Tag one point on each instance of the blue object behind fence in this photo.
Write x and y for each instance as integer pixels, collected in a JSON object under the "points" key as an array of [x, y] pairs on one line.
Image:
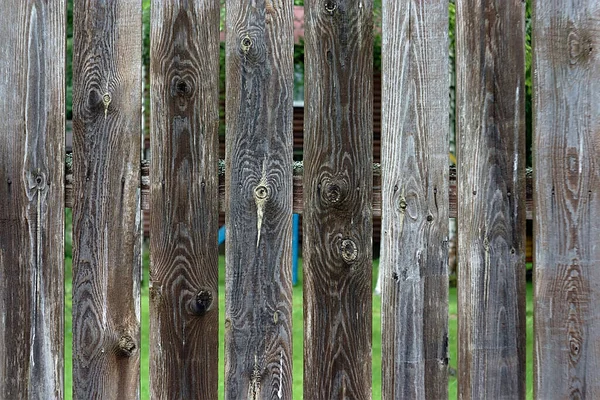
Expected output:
{"points": [[295, 244]]}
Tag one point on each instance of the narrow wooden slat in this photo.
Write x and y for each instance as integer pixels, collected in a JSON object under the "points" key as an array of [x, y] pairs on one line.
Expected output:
{"points": [[567, 199], [32, 151], [337, 204], [258, 203], [414, 321], [490, 66], [106, 177], [184, 196]]}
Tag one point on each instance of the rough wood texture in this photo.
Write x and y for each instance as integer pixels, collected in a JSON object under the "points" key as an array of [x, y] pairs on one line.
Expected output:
{"points": [[490, 79], [567, 199], [106, 218], [184, 195], [258, 357], [338, 187], [414, 255], [298, 195], [32, 150]]}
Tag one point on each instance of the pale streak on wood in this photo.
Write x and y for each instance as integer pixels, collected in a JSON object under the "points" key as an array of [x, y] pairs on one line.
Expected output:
{"points": [[338, 199], [106, 178], [566, 120], [414, 192], [490, 59], [184, 318], [261, 196], [32, 150], [258, 199]]}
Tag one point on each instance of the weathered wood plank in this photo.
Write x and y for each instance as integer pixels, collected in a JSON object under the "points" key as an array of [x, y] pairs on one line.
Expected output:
{"points": [[490, 66], [567, 199], [337, 205], [258, 316], [106, 218], [184, 314], [414, 188], [32, 150]]}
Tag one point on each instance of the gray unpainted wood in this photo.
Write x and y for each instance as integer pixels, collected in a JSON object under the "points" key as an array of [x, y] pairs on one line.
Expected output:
{"points": [[258, 200], [490, 78], [184, 310], [414, 255], [32, 82], [338, 184], [107, 44], [566, 118]]}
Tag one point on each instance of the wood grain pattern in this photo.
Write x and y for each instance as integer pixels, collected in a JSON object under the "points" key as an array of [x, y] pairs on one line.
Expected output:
{"points": [[567, 199], [32, 150], [298, 195], [106, 217], [184, 313], [337, 205], [490, 54], [414, 169], [258, 356]]}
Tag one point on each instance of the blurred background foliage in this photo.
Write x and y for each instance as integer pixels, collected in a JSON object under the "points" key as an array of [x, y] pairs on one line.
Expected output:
{"points": [[299, 61]]}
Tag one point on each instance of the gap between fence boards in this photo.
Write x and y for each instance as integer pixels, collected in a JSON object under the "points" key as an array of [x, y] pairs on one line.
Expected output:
{"points": [[298, 186]]}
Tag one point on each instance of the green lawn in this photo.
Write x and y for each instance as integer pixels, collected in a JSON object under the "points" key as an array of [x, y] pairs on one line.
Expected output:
{"points": [[297, 336]]}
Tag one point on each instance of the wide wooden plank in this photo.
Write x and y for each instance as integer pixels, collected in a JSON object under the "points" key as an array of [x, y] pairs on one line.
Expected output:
{"points": [[32, 151], [106, 217], [184, 196], [258, 356], [414, 189], [567, 199], [490, 67], [338, 188]]}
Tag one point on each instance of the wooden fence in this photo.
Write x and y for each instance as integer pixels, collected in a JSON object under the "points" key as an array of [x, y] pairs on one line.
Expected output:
{"points": [[261, 189]]}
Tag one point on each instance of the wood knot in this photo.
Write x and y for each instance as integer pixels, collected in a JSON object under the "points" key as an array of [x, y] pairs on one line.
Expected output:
{"points": [[330, 6], [403, 204], [261, 192], [202, 302], [332, 193], [126, 346], [349, 250], [580, 47], [106, 100], [40, 180], [333, 190], [181, 87], [246, 44]]}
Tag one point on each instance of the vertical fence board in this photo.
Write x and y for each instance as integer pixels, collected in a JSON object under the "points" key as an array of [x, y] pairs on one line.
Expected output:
{"points": [[490, 54], [184, 213], [106, 174], [338, 182], [567, 198], [258, 319], [32, 155], [414, 320]]}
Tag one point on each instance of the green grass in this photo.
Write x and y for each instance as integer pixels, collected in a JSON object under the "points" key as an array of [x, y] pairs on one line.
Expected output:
{"points": [[297, 335]]}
